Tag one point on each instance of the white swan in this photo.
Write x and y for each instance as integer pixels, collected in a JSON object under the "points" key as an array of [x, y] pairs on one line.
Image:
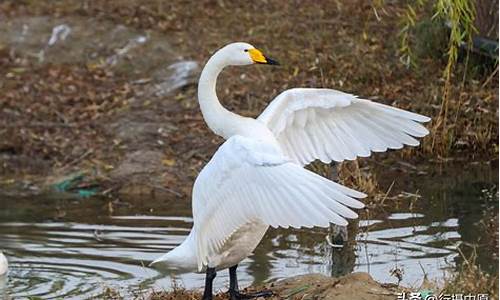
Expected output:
{"points": [[4, 269], [256, 178], [4, 264]]}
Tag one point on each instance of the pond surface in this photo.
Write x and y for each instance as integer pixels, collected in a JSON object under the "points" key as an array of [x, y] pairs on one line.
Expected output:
{"points": [[74, 249]]}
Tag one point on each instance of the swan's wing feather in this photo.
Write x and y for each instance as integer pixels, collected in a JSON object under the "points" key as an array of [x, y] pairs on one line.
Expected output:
{"points": [[331, 125], [248, 180]]}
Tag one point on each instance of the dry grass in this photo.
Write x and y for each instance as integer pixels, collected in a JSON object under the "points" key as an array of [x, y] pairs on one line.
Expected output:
{"points": [[178, 293], [489, 221], [351, 174], [470, 279], [346, 45], [337, 44]]}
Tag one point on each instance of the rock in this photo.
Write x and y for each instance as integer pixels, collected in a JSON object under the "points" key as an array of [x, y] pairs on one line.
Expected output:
{"points": [[23, 164], [87, 40], [173, 77], [360, 286], [137, 133], [141, 162], [141, 172]]}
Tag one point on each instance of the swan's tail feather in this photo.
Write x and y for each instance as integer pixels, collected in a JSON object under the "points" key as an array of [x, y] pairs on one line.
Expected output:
{"points": [[181, 259]]}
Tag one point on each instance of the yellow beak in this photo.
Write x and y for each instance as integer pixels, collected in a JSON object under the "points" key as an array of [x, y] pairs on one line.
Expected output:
{"points": [[259, 58]]}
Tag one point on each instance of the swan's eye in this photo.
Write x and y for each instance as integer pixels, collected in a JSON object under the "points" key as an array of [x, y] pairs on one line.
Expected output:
{"points": [[246, 50]]}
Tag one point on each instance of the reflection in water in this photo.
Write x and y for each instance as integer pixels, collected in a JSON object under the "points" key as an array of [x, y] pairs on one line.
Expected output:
{"points": [[3, 286], [90, 250]]}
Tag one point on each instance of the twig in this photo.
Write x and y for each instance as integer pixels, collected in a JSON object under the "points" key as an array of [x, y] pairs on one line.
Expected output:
{"points": [[166, 189], [40, 124], [490, 77], [73, 162], [387, 193]]}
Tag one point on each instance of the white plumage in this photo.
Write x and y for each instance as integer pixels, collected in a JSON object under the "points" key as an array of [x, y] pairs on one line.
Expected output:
{"points": [[4, 264], [248, 180], [256, 178], [330, 125]]}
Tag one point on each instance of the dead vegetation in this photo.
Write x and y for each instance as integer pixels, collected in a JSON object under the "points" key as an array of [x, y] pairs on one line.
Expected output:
{"points": [[470, 279], [346, 46], [315, 286]]}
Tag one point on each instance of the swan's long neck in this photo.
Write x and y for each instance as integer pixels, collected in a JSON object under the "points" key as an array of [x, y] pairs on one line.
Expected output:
{"points": [[218, 119]]}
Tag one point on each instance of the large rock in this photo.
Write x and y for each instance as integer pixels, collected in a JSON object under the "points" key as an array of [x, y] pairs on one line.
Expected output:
{"points": [[359, 286]]}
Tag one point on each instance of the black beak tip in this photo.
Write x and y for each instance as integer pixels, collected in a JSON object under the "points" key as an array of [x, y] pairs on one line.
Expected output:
{"points": [[271, 61]]}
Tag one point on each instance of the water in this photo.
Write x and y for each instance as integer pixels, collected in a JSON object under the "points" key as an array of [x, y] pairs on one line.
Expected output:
{"points": [[74, 249]]}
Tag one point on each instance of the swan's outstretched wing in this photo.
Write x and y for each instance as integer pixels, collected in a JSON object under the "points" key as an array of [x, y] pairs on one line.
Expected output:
{"points": [[248, 180], [331, 125]]}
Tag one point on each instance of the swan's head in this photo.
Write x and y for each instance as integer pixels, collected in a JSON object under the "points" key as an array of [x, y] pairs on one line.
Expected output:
{"points": [[240, 54]]}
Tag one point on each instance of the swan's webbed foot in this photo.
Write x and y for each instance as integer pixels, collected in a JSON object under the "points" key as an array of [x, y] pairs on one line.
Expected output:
{"points": [[234, 294]]}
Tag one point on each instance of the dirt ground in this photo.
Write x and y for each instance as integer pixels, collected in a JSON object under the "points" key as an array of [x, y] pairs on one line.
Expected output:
{"points": [[74, 115], [314, 286]]}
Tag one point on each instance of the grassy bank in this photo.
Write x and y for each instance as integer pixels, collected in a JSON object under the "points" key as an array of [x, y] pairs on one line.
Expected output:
{"points": [[469, 280]]}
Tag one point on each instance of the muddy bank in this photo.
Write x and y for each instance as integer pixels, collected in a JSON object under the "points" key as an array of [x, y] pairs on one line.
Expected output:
{"points": [[100, 97], [352, 286], [85, 111], [360, 286], [469, 281]]}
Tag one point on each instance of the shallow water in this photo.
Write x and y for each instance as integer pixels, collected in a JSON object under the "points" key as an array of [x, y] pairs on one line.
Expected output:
{"points": [[74, 249]]}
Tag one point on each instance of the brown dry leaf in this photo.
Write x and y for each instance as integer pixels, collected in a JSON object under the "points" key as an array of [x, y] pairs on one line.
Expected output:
{"points": [[168, 162]]}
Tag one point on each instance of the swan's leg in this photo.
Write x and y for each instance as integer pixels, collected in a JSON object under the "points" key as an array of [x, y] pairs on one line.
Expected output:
{"points": [[233, 280], [233, 288], [209, 278]]}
